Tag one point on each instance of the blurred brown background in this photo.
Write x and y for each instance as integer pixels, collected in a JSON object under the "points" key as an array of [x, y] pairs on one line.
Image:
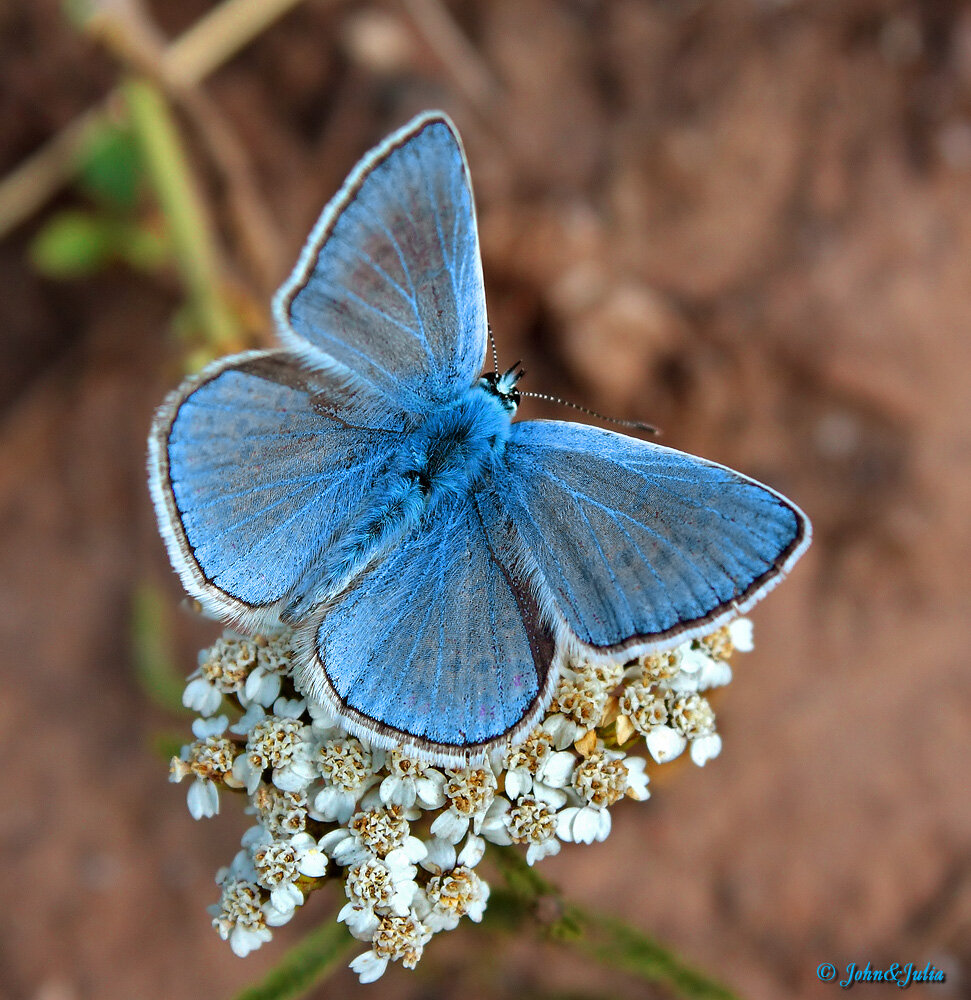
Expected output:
{"points": [[747, 222]]}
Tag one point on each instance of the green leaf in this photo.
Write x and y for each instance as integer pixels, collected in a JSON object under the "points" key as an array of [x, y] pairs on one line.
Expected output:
{"points": [[142, 248], [621, 946], [168, 745], [72, 244], [151, 650], [111, 168], [304, 965]]}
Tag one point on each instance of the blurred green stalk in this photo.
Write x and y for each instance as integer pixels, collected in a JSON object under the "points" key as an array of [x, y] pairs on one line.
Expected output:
{"points": [[304, 964], [151, 653], [211, 41], [607, 939], [171, 177]]}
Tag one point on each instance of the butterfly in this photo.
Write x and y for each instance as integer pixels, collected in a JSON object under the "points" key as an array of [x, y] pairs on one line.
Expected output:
{"points": [[365, 484]]}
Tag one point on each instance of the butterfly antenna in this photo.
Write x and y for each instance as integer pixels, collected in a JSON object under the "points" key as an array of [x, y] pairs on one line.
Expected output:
{"points": [[635, 424], [495, 353]]}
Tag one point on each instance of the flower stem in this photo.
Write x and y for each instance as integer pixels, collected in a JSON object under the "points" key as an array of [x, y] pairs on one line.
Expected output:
{"points": [[182, 205], [608, 940], [304, 965]]}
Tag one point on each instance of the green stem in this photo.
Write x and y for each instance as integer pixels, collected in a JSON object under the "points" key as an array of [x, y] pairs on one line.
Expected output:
{"points": [[304, 964], [151, 653], [210, 42], [171, 176], [604, 938]]}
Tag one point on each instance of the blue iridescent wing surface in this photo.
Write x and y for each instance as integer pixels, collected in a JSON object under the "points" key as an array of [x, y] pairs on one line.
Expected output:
{"points": [[388, 293], [251, 471], [440, 646], [640, 545]]}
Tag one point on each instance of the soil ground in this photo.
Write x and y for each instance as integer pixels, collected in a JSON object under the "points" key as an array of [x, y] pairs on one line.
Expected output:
{"points": [[746, 222]]}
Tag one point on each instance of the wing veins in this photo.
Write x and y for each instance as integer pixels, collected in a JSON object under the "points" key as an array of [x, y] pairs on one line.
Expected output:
{"points": [[607, 564], [614, 514]]}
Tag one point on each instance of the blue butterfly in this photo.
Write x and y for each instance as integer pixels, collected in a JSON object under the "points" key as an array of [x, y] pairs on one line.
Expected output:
{"points": [[366, 484]]}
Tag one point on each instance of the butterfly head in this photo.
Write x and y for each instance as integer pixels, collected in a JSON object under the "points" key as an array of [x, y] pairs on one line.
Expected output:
{"points": [[503, 386]]}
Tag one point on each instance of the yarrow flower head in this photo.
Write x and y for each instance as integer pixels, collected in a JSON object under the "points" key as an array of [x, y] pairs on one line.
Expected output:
{"points": [[405, 837]]}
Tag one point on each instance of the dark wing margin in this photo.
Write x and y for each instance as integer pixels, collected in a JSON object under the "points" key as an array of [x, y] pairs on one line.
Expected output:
{"points": [[250, 469]]}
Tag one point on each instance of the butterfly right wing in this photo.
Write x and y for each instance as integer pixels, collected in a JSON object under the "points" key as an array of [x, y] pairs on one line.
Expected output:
{"points": [[252, 471], [641, 547]]}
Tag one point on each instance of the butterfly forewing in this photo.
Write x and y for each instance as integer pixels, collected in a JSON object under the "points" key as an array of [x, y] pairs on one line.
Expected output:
{"points": [[388, 292]]}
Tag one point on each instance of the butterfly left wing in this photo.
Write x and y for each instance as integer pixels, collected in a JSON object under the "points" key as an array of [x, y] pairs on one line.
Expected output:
{"points": [[440, 647], [388, 292], [252, 470], [641, 547]]}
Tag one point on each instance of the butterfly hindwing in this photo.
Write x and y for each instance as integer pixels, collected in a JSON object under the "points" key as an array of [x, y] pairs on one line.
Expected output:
{"points": [[642, 546], [251, 473], [388, 293], [440, 646]]}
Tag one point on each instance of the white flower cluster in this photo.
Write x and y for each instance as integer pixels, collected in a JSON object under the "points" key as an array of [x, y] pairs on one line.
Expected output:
{"points": [[403, 836]]}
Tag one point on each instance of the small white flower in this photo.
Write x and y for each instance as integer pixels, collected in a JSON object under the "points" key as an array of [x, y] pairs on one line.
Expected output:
{"points": [[375, 832], [396, 939], [278, 743], [600, 779], [533, 822], [692, 715], [274, 661], [644, 705], [659, 668], [209, 760], [664, 743], [411, 782], [705, 748], [347, 768], [385, 885], [279, 863], [238, 917], [282, 814], [469, 792], [453, 895], [740, 631], [201, 696], [583, 824], [222, 670]]}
